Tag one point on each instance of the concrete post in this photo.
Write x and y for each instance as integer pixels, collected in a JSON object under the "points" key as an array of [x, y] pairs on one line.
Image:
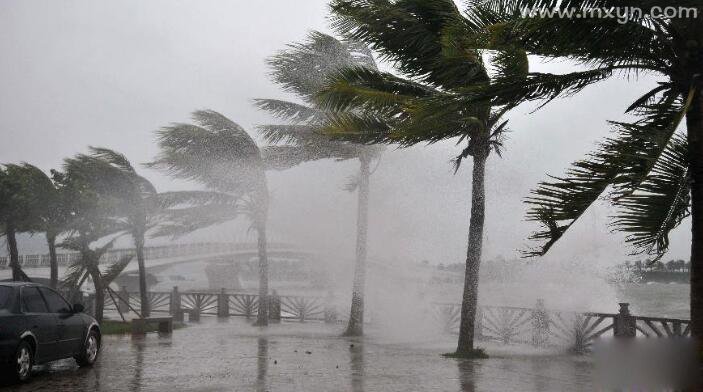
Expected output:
{"points": [[330, 314], [624, 323], [330, 311], [123, 301], [274, 306], [222, 304], [175, 306], [540, 324]]}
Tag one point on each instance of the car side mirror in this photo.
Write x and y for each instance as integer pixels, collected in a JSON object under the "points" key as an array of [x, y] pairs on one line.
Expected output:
{"points": [[78, 308]]}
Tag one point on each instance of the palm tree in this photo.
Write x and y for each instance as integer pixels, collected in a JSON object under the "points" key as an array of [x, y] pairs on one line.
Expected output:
{"points": [[220, 155], [424, 107], [139, 207], [302, 70], [52, 221], [93, 213], [23, 190], [651, 171]]}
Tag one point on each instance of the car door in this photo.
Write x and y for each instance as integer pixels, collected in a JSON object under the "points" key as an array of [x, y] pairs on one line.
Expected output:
{"points": [[40, 322], [70, 325]]}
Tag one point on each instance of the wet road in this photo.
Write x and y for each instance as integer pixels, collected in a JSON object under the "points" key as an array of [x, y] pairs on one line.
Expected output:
{"points": [[233, 356]]}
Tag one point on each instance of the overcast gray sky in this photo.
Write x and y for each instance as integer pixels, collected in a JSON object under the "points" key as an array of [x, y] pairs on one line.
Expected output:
{"points": [[109, 73]]}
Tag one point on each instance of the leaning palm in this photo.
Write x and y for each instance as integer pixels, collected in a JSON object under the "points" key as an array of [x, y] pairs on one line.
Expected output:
{"points": [[422, 107], [650, 170], [220, 155], [92, 226], [302, 70], [53, 224], [139, 208], [24, 200]]}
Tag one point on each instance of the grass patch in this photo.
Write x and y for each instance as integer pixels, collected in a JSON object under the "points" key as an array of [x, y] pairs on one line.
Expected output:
{"points": [[112, 327], [477, 353], [119, 327]]}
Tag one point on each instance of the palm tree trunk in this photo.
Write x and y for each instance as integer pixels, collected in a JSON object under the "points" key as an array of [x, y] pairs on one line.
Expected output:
{"points": [[694, 122], [143, 295], [53, 262], [17, 273], [262, 318], [356, 315], [98, 284], [473, 257], [99, 298]]}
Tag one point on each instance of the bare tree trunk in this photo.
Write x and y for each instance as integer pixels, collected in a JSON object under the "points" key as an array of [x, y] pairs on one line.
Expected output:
{"points": [[356, 315], [694, 122], [53, 262], [17, 273], [262, 318], [143, 295], [473, 257]]}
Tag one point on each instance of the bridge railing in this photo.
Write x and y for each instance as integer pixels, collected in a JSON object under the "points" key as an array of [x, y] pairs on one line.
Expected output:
{"points": [[150, 253]]}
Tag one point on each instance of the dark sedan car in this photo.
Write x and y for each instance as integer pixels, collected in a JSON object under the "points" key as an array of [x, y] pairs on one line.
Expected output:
{"points": [[37, 325]]}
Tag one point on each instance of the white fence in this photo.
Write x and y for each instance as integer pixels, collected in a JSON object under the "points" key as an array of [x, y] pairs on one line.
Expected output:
{"points": [[150, 253]]}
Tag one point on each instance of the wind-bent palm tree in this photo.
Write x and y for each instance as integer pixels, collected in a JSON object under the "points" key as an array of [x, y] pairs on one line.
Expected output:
{"points": [[424, 107], [52, 222], [303, 70], [139, 207], [654, 172], [23, 192], [219, 154], [93, 213]]}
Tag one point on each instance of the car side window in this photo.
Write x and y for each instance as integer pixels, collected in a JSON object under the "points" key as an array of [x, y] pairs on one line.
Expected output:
{"points": [[5, 296], [56, 303], [32, 301]]}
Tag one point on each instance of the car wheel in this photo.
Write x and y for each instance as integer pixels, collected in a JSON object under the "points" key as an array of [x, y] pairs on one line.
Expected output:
{"points": [[90, 351], [21, 367]]}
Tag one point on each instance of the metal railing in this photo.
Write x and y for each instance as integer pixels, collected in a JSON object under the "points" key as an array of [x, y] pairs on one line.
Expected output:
{"points": [[540, 326], [223, 304], [537, 326]]}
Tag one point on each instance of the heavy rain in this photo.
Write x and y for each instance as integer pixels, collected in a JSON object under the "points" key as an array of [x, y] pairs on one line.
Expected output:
{"points": [[350, 195]]}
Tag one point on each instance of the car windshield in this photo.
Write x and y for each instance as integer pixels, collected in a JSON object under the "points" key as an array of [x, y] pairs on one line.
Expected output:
{"points": [[5, 293]]}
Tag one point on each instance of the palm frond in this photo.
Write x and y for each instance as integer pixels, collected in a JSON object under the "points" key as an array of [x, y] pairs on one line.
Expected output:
{"points": [[190, 198], [303, 67], [116, 268], [369, 90], [292, 112], [218, 153], [659, 204], [624, 162], [409, 33], [286, 157]]}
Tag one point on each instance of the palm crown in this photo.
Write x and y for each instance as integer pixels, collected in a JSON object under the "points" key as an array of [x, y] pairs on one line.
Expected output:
{"points": [[644, 166]]}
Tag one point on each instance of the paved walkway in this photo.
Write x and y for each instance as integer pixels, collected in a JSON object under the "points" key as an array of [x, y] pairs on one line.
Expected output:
{"points": [[233, 356]]}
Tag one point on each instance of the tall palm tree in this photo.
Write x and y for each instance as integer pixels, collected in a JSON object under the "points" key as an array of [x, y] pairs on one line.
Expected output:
{"points": [[23, 191], [220, 155], [650, 170], [302, 69], [423, 106]]}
